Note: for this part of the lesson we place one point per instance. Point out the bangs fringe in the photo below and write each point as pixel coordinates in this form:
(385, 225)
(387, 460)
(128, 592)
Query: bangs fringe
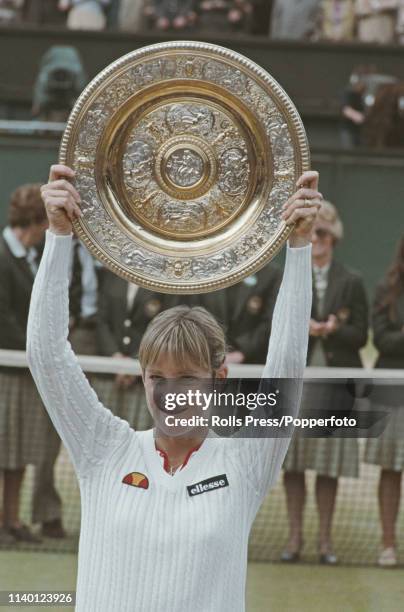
(182, 340)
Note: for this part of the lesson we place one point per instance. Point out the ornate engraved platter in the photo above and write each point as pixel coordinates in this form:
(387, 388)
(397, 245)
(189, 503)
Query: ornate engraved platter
(184, 154)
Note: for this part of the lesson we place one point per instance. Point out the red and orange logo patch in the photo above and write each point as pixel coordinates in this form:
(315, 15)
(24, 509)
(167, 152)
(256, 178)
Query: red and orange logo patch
(136, 479)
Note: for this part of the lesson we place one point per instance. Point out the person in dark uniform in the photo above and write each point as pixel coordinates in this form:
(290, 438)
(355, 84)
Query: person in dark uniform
(23, 420)
(338, 330)
(235, 16)
(387, 451)
(250, 309)
(250, 305)
(353, 110)
(83, 296)
(125, 310)
(215, 302)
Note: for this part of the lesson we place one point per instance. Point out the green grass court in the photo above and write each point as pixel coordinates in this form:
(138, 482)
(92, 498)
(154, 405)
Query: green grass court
(272, 587)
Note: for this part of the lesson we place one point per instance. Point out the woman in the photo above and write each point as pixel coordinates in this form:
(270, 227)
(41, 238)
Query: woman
(84, 14)
(165, 520)
(124, 312)
(338, 329)
(388, 450)
(23, 421)
(384, 126)
(294, 19)
(376, 21)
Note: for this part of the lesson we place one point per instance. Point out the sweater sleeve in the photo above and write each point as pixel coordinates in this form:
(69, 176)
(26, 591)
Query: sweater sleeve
(90, 431)
(287, 350)
(284, 368)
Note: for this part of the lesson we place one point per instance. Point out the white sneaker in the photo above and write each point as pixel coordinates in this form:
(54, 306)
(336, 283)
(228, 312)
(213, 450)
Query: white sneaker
(387, 557)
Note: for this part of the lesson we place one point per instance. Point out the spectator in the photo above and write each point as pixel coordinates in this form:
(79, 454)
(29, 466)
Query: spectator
(387, 451)
(131, 15)
(294, 19)
(338, 329)
(337, 21)
(60, 80)
(385, 121)
(42, 12)
(377, 20)
(83, 290)
(23, 421)
(400, 23)
(124, 313)
(251, 305)
(10, 10)
(85, 14)
(225, 15)
(353, 110)
(171, 14)
(215, 302)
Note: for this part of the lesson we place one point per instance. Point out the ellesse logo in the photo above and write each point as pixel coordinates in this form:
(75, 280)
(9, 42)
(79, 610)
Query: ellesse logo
(210, 484)
(136, 479)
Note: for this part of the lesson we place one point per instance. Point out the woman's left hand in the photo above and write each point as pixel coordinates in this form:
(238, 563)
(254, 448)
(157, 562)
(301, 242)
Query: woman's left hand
(331, 325)
(301, 209)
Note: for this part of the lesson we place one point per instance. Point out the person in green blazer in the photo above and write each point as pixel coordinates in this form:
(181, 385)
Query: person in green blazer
(338, 330)
(387, 450)
(250, 307)
(124, 311)
(23, 421)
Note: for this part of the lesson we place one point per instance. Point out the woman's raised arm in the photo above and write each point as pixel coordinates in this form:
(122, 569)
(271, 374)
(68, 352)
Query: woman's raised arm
(90, 432)
(287, 350)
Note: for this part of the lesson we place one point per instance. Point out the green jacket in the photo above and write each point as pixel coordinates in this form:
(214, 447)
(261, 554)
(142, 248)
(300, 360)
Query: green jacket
(345, 298)
(250, 307)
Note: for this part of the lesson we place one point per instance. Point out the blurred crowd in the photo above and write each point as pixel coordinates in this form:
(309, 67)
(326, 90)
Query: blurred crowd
(108, 317)
(372, 104)
(379, 21)
(372, 108)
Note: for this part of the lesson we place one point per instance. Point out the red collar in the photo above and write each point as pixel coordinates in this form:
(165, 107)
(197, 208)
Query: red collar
(166, 464)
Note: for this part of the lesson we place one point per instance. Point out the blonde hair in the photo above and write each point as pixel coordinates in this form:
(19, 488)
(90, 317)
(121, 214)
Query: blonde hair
(329, 218)
(188, 335)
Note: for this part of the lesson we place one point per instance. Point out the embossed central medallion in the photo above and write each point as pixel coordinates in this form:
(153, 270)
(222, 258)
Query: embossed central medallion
(184, 167)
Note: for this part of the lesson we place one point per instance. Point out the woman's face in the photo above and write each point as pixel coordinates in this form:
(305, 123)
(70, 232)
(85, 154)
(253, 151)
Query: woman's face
(323, 243)
(166, 383)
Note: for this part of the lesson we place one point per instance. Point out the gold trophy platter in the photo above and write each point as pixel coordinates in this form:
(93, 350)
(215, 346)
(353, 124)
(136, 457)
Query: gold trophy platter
(184, 154)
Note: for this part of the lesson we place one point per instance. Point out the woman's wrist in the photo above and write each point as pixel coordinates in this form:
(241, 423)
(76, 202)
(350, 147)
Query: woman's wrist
(298, 241)
(59, 231)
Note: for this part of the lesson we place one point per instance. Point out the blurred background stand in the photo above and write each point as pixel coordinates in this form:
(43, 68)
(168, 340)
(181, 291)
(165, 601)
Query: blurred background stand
(60, 80)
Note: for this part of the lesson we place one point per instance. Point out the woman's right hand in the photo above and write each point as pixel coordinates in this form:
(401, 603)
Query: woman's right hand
(61, 200)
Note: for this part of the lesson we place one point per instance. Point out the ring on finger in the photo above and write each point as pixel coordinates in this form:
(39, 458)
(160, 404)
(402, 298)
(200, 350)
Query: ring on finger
(53, 208)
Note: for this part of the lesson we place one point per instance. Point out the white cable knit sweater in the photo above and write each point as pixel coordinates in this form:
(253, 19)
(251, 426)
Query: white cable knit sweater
(159, 548)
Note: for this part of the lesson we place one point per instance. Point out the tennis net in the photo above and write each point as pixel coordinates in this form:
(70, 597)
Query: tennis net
(356, 525)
